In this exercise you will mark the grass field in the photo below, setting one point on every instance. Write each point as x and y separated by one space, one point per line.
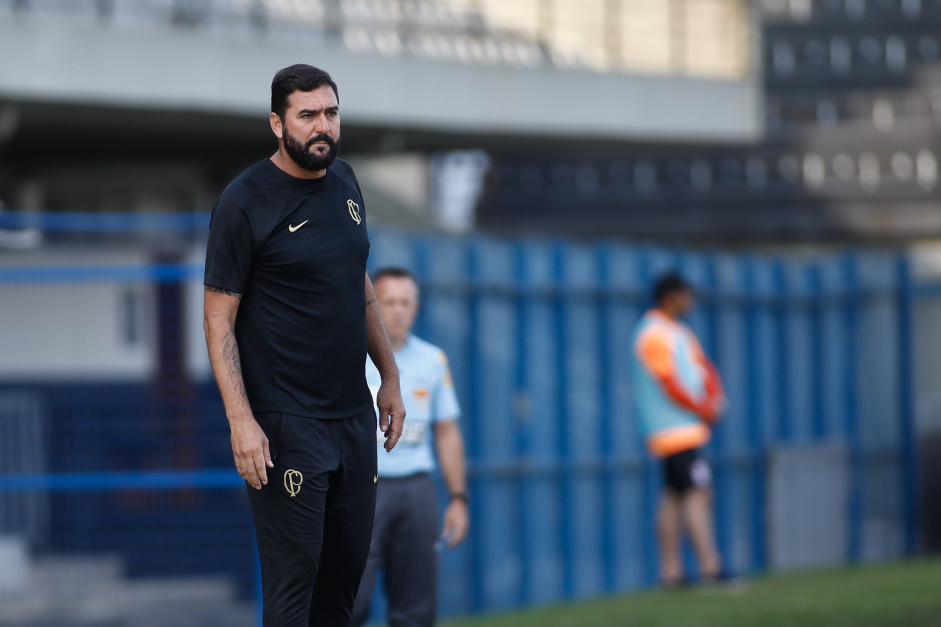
898 595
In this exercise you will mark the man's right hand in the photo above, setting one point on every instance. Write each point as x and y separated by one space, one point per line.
391 411
711 408
250 448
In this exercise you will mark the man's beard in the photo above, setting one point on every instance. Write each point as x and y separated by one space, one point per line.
302 155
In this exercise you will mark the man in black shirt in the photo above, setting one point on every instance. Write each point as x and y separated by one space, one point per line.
290 315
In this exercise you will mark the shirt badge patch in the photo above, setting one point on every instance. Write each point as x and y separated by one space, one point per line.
354 211
422 397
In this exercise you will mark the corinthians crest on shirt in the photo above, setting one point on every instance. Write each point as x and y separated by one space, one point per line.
354 211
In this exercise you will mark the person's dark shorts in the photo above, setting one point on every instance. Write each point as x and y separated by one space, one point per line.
686 470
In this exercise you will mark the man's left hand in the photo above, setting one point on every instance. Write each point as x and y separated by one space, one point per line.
391 412
455 523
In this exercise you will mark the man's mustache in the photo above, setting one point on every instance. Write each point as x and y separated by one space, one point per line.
320 138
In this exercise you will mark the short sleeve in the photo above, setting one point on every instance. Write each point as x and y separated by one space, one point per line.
445 405
654 353
229 251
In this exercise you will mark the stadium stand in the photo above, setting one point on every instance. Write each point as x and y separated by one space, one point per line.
186 79
647 35
853 104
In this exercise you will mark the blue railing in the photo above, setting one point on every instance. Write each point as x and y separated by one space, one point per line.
77 222
117 480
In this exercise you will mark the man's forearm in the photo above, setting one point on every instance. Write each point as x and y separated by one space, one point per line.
379 349
714 387
377 341
678 394
227 368
450 447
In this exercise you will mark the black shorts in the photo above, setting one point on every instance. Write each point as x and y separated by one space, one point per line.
686 470
314 518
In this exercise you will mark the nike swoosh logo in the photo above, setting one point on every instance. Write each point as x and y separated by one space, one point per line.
293 228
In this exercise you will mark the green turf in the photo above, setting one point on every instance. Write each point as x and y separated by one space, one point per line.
898 595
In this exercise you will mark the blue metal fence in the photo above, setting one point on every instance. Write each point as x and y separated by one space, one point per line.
812 350
538 333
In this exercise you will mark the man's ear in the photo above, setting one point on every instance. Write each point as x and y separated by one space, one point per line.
276 125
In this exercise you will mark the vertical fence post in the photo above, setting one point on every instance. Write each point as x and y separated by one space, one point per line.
523 417
782 351
565 466
756 409
609 468
649 470
422 268
816 313
854 302
478 478
906 330
724 463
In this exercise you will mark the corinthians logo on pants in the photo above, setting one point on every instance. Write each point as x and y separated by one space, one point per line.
292 481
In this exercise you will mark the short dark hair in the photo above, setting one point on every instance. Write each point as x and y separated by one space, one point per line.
669 283
299 77
394 272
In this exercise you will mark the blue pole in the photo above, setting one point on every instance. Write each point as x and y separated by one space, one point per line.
567 526
816 305
906 369
609 474
650 475
782 352
526 502
422 269
854 302
477 479
756 408
724 521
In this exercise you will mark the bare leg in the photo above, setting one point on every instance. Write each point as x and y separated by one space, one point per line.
668 537
696 506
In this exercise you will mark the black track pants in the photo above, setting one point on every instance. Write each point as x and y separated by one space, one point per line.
313 520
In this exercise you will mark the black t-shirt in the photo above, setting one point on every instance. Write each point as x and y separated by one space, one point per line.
296 249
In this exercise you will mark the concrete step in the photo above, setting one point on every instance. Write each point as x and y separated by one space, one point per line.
93 592
49 573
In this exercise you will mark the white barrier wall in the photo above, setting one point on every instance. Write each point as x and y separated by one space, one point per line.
75 328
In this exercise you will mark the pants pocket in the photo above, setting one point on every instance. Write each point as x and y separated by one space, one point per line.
273 426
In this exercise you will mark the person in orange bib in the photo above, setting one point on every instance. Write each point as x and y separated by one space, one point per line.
679 398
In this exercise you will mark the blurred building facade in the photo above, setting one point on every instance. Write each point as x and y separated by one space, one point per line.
153 105
852 92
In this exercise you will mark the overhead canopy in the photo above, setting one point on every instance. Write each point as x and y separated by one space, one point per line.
227 72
